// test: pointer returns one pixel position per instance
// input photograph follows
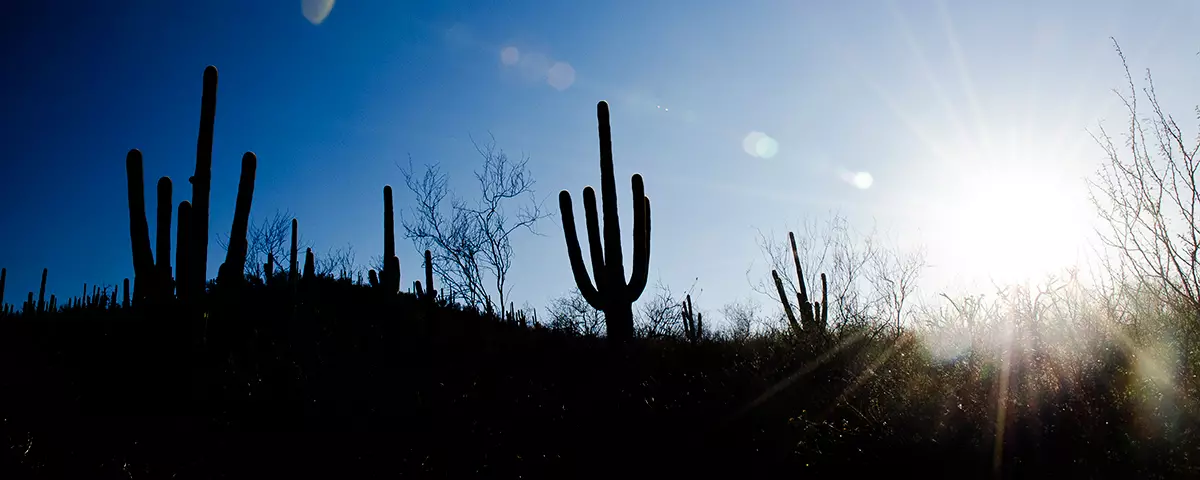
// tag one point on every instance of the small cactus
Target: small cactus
(428, 293)
(309, 266)
(295, 251)
(269, 267)
(610, 293)
(693, 323)
(41, 303)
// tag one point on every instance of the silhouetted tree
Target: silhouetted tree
(471, 244)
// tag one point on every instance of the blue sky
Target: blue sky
(948, 105)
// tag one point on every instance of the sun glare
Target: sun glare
(1016, 222)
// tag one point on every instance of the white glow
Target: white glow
(316, 10)
(561, 76)
(863, 180)
(759, 144)
(510, 56)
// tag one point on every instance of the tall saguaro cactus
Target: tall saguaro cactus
(610, 294)
(3, 279)
(389, 278)
(201, 180)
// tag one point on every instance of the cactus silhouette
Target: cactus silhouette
(389, 278)
(3, 279)
(693, 323)
(814, 316)
(309, 268)
(235, 256)
(295, 251)
(125, 300)
(269, 267)
(610, 294)
(41, 304)
(201, 180)
(151, 282)
(429, 293)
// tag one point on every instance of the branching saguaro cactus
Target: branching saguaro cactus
(151, 282)
(814, 316)
(428, 294)
(610, 294)
(235, 256)
(693, 323)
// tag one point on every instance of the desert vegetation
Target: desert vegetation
(295, 362)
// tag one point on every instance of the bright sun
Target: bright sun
(1017, 220)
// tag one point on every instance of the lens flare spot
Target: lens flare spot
(316, 10)
(759, 144)
(510, 56)
(863, 180)
(561, 76)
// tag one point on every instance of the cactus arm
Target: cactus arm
(595, 245)
(803, 292)
(235, 257)
(578, 269)
(787, 305)
(641, 240)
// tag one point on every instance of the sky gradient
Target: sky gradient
(970, 117)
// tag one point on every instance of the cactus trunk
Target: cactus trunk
(201, 185)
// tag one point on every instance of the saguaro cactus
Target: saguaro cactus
(389, 278)
(3, 279)
(295, 251)
(41, 305)
(610, 294)
(309, 265)
(814, 316)
(693, 323)
(150, 281)
(201, 180)
(428, 293)
(235, 256)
